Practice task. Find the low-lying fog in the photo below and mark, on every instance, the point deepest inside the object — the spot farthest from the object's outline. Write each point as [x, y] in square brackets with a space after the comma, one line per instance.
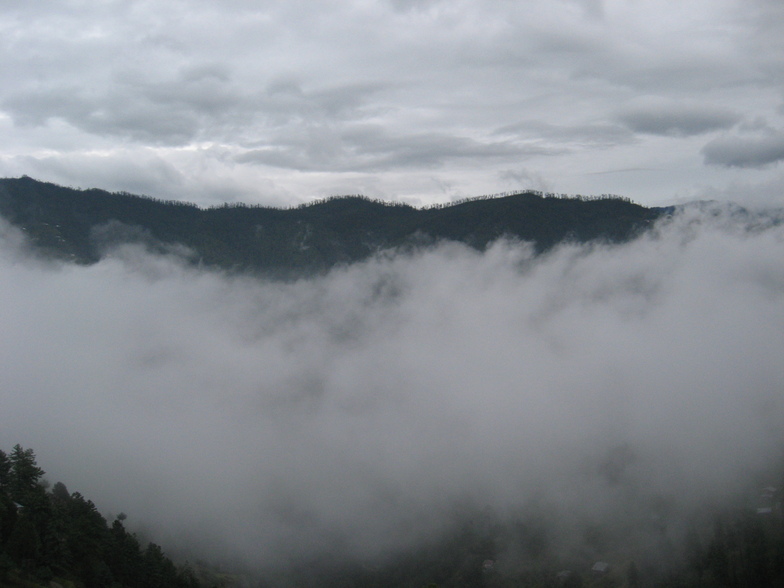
[350, 413]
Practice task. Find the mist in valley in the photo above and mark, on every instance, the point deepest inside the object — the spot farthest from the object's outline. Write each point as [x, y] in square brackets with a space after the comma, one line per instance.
[614, 389]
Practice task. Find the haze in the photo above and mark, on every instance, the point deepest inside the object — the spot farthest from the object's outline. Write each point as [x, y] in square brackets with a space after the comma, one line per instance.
[352, 413]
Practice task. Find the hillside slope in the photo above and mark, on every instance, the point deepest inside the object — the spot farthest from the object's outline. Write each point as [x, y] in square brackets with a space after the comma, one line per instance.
[80, 224]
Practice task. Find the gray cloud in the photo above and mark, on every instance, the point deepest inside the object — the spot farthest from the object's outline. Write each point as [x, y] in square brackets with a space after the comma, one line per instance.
[673, 118]
[404, 5]
[745, 152]
[159, 112]
[294, 85]
[596, 134]
[753, 194]
[371, 148]
[347, 413]
[285, 103]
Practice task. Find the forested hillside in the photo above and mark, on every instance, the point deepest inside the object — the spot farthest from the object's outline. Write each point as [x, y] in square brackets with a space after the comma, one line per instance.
[50, 537]
[80, 224]
[605, 417]
[49, 534]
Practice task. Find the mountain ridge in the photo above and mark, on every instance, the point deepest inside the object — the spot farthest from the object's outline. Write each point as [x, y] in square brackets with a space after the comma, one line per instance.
[78, 225]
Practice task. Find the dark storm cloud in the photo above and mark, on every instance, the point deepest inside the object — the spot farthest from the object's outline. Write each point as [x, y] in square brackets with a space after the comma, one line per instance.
[347, 414]
[746, 152]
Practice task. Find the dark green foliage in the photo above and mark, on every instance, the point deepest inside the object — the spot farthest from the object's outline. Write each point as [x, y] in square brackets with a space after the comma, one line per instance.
[57, 535]
[79, 225]
[5, 470]
[24, 474]
[745, 549]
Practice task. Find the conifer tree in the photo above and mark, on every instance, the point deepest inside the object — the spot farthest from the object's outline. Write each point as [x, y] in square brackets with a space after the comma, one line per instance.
[5, 471]
[25, 474]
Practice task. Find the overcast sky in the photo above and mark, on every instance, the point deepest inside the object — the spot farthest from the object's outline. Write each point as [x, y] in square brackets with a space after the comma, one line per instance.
[412, 100]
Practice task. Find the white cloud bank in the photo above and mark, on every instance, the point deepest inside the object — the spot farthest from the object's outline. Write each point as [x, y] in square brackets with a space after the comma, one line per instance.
[350, 412]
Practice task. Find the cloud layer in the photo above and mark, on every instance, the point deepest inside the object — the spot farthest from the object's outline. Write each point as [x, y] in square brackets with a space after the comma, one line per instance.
[419, 101]
[349, 413]
[746, 152]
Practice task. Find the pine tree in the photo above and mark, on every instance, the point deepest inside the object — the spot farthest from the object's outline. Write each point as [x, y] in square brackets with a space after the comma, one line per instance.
[7, 509]
[25, 475]
[5, 471]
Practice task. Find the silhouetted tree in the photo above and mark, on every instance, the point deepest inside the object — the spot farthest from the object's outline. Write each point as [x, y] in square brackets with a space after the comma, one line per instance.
[25, 473]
